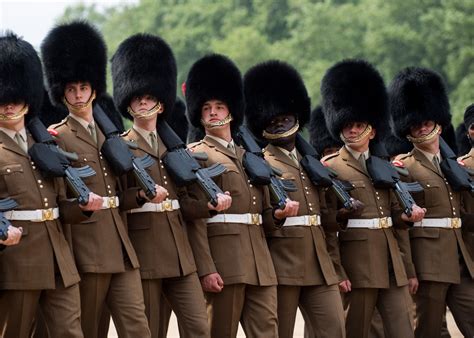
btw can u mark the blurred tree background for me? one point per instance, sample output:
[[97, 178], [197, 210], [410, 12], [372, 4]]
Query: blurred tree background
[[309, 34]]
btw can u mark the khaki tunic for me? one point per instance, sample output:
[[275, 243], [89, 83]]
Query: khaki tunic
[[468, 202]]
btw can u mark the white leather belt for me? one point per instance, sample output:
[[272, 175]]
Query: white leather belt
[[111, 202], [166, 205], [449, 223], [255, 219], [306, 220], [39, 215], [371, 223]]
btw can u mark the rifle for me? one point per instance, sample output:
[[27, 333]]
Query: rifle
[[321, 175], [183, 167], [457, 176], [54, 162], [259, 171], [120, 157], [385, 176], [6, 204]]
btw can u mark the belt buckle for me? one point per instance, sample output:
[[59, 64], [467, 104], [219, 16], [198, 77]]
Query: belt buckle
[[313, 220], [255, 219], [47, 214], [383, 223], [455, 223], [167, 205], [111, 203]]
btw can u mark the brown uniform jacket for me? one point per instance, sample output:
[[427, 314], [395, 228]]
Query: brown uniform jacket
[[436, 252], [100, 244], [238, 252], [300, 254], [369, 256], [159, 238], [43, 250], [468, 202]]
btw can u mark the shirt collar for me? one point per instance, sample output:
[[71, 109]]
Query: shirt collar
[[82, 122], [144, 133], [222, 141], [357, 154], [289, 153], [430, 156], [12, 133]]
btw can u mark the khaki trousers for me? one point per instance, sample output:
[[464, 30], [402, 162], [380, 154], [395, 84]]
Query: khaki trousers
[[394, 305], [185, 296], [122, 294], [431, 300], [60, 309], [321, 305], [254, 306]]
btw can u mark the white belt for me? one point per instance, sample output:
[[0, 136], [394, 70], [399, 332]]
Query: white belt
[[110, 202], [306, 220], [236, 218], [39, 215], [372, 223], [166, 205], [449, 223]]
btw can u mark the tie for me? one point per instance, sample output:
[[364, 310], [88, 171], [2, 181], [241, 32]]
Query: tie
[[21, 142], [231, 147], [153, 142], [362, 162], [293, 157], [91, 129], [436, 164]]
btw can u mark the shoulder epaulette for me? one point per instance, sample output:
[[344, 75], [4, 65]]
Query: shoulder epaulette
[[401, 157], [194, 144], [463, 157], [328, 157], [56, 125], [125, 133]]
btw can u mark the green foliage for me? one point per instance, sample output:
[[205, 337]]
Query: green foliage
[[310, 34]]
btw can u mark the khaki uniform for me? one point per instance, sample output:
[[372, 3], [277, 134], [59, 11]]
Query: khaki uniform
[[468, 202], [442, 262], [167, 265], [304, 268], [238, 252], [40, 270], [371, 258], [103, 251]]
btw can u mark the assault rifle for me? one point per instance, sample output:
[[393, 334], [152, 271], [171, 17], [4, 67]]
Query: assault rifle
[[320, 175], [6, 204], [120, 157], [54, 162], [183, 167], [457, 176], [385, 176], [259, 171]]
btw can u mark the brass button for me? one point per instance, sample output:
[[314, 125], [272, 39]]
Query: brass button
[[45, 199], [8, 170], [105, 174], [39, 181], [41, 186], [166, 182]]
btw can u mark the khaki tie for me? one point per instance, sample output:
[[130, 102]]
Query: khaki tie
[[293, 157], [362, 162], [91, 129], [21, 142], [153, 142], [231, 147], [436, 164]]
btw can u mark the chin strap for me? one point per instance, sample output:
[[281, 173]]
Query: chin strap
[[16, 116], [157, 109], [359, 138], [77, 108], [417, 140], [220, 123], [270, 136]]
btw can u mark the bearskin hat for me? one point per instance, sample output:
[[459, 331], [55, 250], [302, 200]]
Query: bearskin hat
[[449, 135], [51, 114], [396, 146], [462, 140], [354, 91], [469, 115], [74, 52], [21, 76], [272, 88], [144, 64], [417, 95], [195, 134], [214, 77], [177, 119], [319, 135]]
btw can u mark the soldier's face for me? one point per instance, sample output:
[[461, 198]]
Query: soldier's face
[[280, 124], [422, 129], [352, 130], [7, 111], [214, 111], [78, 92], [144, 103]]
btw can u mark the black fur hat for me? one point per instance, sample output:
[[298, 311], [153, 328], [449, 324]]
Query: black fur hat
[[449, 135], [214, 77], [272, 88], [74, 52], [177, 119], [51, 114], [354, 91], [417, 95], [195, 134], [462, 140], [319, 135], [396, 146], [469, 115], [144, 64], [21, 77]]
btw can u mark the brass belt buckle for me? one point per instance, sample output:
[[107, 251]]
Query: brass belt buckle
[[255, 219], [111, 203], [455, 224], [167, 205], [48, 214], [383, 223], [313, 220]]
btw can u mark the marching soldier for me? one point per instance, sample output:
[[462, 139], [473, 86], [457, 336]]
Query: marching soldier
[[40, 270], [355, 108], [157, 230], [74, 56], [420, 110], [277, 107], [231, 253]]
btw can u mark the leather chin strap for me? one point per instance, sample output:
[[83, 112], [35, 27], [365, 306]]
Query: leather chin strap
[[270, 136], [16, 116], [417, 140], [220, 123], [157, 109], [76, 108], [359, 138]]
